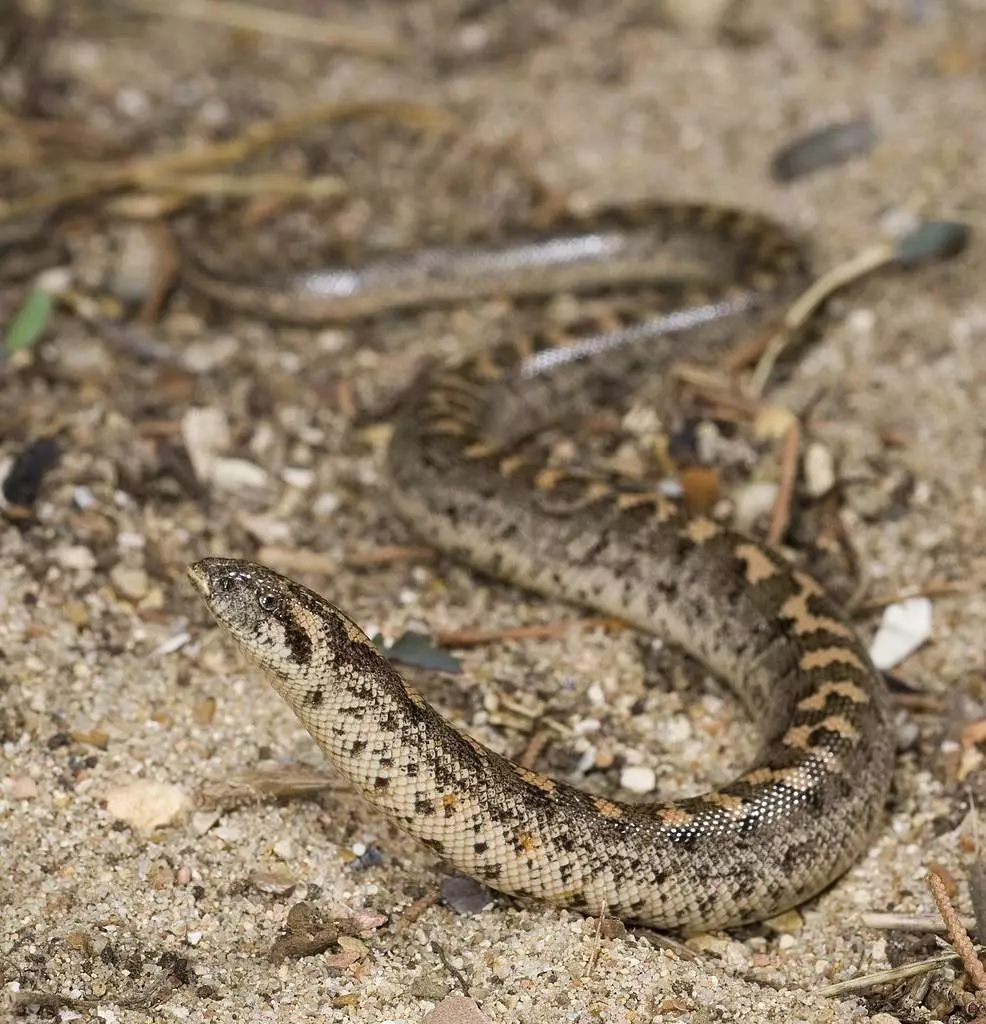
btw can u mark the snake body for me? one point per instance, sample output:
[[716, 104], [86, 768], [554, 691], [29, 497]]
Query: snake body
[[470, 471]]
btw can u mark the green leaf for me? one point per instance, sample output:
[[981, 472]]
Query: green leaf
[[417, 650], [30, 321]]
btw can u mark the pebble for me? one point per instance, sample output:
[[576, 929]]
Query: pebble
[[22, 787], [751, 501], [464, 895], [74, 556], [147, 805], [326, 503], [773, 422], [129, 582], [137, 265], [827, 147], [204, 355], [905, 626], [696, 15], [456, 1010], [638, 778], [284, 849], [206, 433], [274, 883], [819, 469], [202, 821], [428, 987], [237, 475]]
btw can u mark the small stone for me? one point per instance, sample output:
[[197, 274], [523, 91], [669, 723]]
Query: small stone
[[904, 628], [204, 355], [819, 469], [429, 987], [785, 924], [464, 895], [131, 583], [275, 883], [751, 502], [773, 422], [77, 613], [203, 821], [97, 738], [298, 476], [204, 711], [74, 556], [147, 805], [638, 778], [456, 1010], [237, 475], [326, 503], [22, 787], [367, 921], [284, 848], [702, 16], [332, 340], [137, 264], [205, 432]]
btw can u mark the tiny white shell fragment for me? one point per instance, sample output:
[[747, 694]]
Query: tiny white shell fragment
[[904, 628]]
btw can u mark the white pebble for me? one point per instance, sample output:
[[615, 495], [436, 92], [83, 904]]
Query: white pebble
[[819, 466], [638, 778], [284, 849], [903, 629], [753, 501]]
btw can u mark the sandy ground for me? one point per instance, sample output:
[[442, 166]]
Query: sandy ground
[[114, 686]]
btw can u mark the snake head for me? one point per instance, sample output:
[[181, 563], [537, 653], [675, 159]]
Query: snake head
[[289, 630], [261, 611]]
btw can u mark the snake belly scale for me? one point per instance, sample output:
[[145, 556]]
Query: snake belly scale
[[468, 471]]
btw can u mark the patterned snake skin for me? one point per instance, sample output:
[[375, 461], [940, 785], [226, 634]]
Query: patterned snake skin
[[470, 471]]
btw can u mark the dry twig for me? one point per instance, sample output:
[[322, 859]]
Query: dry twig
[[957, 935], [269, 21]]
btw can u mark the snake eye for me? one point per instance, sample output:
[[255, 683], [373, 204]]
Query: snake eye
[[268, 602]]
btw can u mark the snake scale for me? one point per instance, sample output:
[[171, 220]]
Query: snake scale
[[470, 472]]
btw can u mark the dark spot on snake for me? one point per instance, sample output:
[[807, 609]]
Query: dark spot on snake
[[491, 871], [386, 762], [481, 847], [298, 641], [423, 805], [357, 748], [411, 770], [434, 844], [381, 782], [314, 698]]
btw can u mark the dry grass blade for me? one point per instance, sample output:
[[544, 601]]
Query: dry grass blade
[[223, 185], [269, 21], [866, 982], [808, 302], [781, 515], [144, 172], [910, 922]]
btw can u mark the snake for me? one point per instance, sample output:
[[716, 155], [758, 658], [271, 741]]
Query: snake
[[471, 470]]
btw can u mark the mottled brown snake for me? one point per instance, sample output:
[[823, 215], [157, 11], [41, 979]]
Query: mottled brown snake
[[470, 473]]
